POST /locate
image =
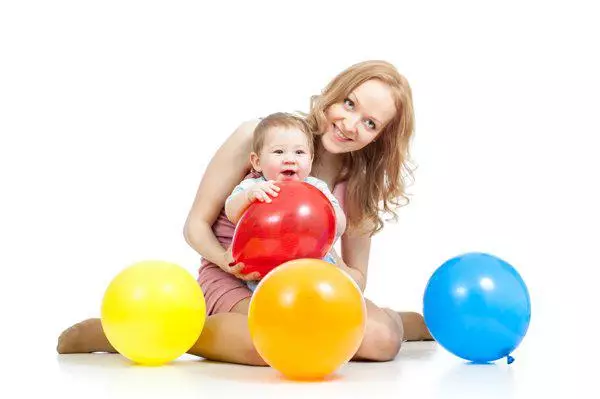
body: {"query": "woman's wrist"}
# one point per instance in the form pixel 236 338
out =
pixel 224 260
pixel 356 276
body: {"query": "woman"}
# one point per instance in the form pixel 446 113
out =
pixel 364 122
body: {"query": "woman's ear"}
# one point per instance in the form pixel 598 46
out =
pixel 255 161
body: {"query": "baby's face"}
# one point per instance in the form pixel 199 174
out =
pixel 285 155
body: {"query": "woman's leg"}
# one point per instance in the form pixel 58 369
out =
pixel 384 334
pixel 84 337
pixel 414 327
pixel 226 338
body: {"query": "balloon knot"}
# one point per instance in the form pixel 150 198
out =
pixel 509 359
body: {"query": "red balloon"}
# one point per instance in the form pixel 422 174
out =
pixel 299 223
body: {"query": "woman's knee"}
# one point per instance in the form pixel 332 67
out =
pixel 247 352
pixel 383 335
pixel 225 337
pixel 382 343
pixel 253 358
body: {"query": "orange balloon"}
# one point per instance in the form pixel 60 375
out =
pixel 307 318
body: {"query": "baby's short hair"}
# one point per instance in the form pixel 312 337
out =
pixel 281 119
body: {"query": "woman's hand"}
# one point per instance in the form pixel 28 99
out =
pixel 231 267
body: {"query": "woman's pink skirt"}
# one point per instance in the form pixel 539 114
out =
pixel 222 290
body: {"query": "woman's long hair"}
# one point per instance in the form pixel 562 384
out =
pixel 377 174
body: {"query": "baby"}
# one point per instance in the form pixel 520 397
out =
pixel 282 150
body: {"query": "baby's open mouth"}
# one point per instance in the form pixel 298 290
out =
pixel 288 173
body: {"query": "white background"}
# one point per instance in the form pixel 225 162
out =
pixel 110 112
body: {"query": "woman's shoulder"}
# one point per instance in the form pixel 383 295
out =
pixel 239 142
pixel 340 185
pixel 339 192
pixel 247 127
pixel 244 131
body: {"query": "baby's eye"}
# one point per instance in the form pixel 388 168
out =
pixel 349 103
pixel 300 152
pixel 278 152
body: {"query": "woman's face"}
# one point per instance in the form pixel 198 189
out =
pixel 358 119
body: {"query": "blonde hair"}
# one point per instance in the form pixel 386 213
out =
pixel 377 173
pixel 281 119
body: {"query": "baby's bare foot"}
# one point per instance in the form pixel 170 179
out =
pixel 84 337
pixel 414 327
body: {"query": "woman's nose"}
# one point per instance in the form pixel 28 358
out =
pixel 350 123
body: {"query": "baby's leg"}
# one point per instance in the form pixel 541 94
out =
pixel 84 337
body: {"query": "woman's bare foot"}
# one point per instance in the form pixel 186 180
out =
pixel 414 327
pixel 84 337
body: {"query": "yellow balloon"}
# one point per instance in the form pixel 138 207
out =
pixel 153 312
pixel 307 318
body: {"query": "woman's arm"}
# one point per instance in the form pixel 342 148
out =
pixel 340 220
pixel 356 247
pixel 226 169
pixel 340 216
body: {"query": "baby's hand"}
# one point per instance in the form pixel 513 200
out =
pixel 262 191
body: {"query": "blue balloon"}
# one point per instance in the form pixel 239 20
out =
pixel 477 307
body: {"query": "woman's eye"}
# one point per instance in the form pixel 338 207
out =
pixel 349 103
pixel 370 124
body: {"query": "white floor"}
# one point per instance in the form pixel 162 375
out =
pixel 422 370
